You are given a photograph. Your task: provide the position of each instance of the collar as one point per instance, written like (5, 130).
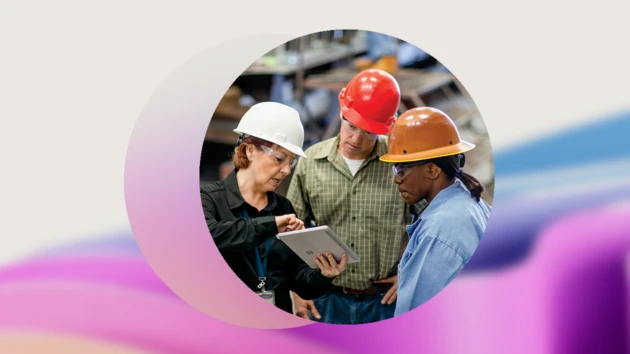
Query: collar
(328, 148)
(447, 193)
(235, 199)
(442, 197)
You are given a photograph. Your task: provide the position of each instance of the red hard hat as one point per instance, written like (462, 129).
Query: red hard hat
(370, 101)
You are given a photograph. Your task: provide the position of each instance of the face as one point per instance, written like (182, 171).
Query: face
(271, 165)
(355, 143)
(414, 180)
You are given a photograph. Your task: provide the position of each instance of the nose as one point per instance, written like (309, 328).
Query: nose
(357, 139)
(397, 179)
(286, 169)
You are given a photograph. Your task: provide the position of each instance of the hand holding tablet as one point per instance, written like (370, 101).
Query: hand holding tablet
(308, 243)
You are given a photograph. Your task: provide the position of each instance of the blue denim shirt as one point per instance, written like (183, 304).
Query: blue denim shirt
(441, 242)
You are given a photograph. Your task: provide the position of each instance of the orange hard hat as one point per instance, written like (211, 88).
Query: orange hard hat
(370, 101)
(424, 133)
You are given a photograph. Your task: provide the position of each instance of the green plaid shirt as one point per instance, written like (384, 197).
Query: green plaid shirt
(366, 210)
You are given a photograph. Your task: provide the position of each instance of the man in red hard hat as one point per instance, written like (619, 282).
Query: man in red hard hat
(343, 184)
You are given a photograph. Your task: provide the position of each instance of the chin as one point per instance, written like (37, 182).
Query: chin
(411, 200)
(271, 187)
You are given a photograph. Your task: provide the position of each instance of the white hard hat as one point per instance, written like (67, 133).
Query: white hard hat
(275, 122)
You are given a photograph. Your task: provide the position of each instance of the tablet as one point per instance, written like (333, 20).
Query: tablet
(309, 242)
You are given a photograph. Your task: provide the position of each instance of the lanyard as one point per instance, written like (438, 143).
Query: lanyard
(261, 266)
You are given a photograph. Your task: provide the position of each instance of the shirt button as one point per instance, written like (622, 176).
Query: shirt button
(354, 192)
(353, 218)
(352, 245)
(353, 271)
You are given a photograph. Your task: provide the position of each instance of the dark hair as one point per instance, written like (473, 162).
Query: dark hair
(452, 166)
(239, 156)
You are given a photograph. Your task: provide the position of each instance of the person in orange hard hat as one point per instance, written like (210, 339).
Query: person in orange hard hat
(344, 185)
(427, 157)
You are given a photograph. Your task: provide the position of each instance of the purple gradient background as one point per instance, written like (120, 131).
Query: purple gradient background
(550, 277)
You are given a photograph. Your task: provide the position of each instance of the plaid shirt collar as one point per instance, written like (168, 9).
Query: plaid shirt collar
(329, 149)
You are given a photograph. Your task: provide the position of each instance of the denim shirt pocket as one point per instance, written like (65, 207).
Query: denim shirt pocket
(403, 261)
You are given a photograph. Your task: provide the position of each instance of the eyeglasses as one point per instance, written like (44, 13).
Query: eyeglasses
(353, 129)
(279, 157)
(402, 170)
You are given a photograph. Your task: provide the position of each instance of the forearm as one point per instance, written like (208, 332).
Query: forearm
(242, 234)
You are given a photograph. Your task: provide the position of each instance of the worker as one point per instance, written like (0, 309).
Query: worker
(244, 213)
(344, 185)
(427, 157)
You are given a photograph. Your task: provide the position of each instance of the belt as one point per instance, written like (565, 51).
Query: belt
(372, 290)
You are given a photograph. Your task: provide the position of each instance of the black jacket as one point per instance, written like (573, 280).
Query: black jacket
(237, 238)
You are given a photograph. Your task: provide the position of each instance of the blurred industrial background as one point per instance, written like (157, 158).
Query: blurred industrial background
(308, 72)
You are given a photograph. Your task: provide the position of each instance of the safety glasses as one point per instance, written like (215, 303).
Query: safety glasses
(279, 157)
(353, 129)
(402, 170)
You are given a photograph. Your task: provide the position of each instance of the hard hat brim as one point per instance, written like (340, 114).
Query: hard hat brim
(294, 149)
(460, 148)
(356, 119)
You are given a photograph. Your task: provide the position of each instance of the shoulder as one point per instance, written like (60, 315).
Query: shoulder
(381, 146)
(456, 225)
(459, 212)
(212, 188)
(321, 149)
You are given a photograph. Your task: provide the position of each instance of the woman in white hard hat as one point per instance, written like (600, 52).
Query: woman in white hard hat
(428, 156)
(244, 213)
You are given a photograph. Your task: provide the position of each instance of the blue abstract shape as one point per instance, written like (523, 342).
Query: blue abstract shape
(545, 179)
(602, 140)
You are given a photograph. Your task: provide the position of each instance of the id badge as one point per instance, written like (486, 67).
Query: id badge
(268, 295)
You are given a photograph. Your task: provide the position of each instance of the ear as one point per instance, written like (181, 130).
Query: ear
(433, 171)
(250, 152)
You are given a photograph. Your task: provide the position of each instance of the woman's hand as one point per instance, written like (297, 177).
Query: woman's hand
(329, 266)
(288, 222)
(284, 221)
(295, 224)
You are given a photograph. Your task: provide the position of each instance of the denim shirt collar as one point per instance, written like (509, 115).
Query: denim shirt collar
(442, 197)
